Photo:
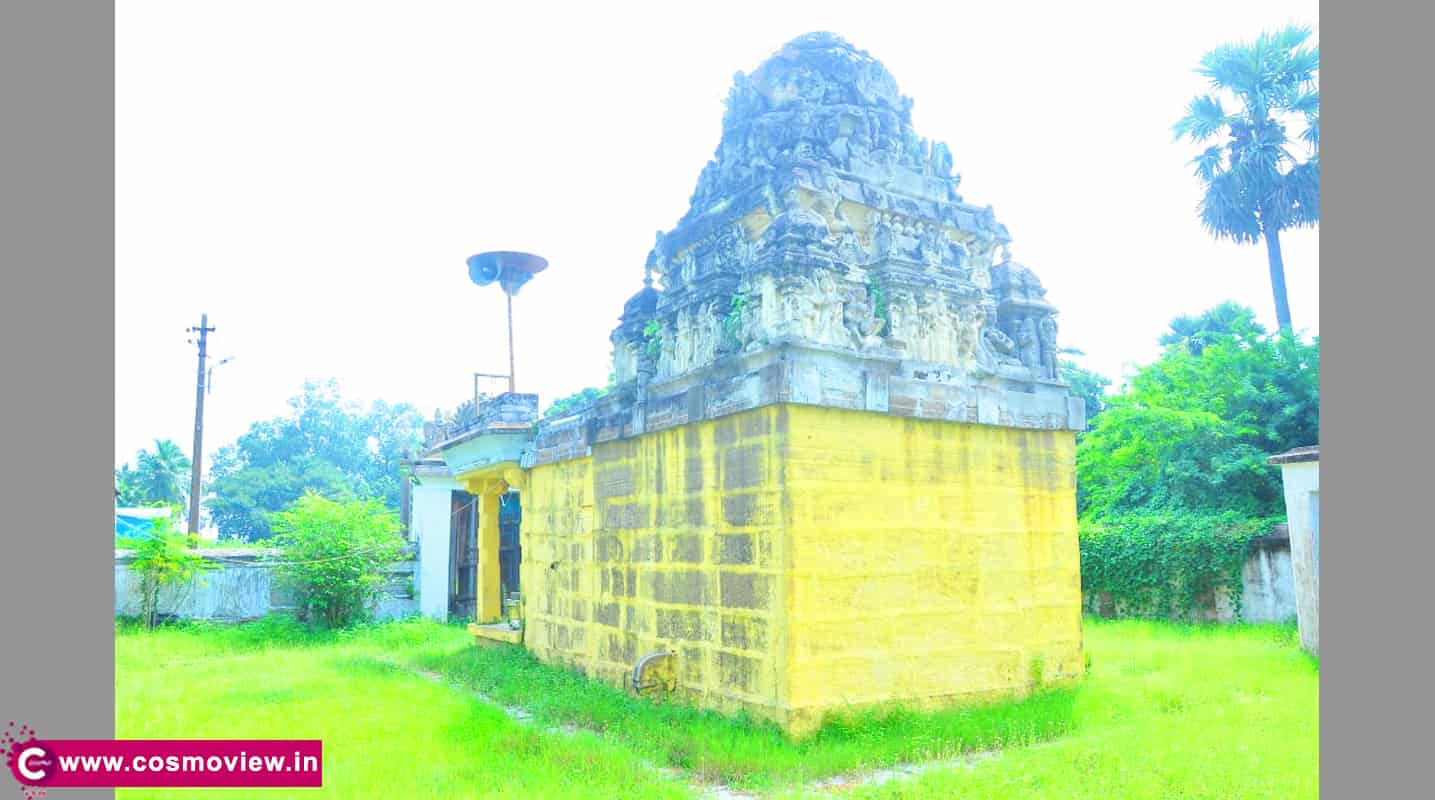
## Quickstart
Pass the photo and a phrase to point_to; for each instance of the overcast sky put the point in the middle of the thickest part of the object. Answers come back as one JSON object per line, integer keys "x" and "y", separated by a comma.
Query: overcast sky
{"x": 313, "y": 175}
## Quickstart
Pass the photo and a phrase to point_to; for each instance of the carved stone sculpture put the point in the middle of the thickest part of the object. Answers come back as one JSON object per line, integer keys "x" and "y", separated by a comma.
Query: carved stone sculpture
{"x": 969, "y": 324}
{"x": 752, "y": 334}
{"x": 941, "y": 331}
{"x": 933, "y": 244}
{"x": 1029, "y": 344}
{"x": 860, "y": 317}
{"x": 1001, "y": 345}
{"x": 1049, "y": 352}
{"x": 980, "y": 275}
{"x": 941, "y": 160}
{"x": 884, "y": 237}
{"x": 799, "y": 308}
{"x": 827, "y": 307}
{"x": 901, "y": 321}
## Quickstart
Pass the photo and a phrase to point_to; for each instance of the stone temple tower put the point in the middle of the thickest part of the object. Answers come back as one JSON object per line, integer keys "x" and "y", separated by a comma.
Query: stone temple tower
{"x": 824, "y": 219}
{"x": 836, "y": 466}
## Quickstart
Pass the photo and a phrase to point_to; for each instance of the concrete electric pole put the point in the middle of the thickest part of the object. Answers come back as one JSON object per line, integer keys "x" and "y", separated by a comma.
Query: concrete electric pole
{"x": 203, "y": 330}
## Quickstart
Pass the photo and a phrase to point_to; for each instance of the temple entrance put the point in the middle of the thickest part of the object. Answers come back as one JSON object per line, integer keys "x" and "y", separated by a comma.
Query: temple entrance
{"x": 467, "y": 551}
{"x": 510, "y": 550}
{"x": 463, "y": 556}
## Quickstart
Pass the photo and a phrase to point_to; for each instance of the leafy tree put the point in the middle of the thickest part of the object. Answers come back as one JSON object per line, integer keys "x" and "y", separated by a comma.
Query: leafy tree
{"x": 1267, "y": 386}
{"x": 1088, "y": 385}
{"x": 1141, "y": 456}
{"x": 1255, "y": 185}
{"x": 243, "y": 501}
{"x": 325, "y": 444}
{"x": 389, "y": 431}
{"x": 1193, "y": 429}
{"x": 1225, "y": 320}
{"x": 336, "y": 555}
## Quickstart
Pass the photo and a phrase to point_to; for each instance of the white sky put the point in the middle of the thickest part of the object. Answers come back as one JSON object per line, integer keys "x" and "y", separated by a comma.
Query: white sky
{"x": 314, "y": 174}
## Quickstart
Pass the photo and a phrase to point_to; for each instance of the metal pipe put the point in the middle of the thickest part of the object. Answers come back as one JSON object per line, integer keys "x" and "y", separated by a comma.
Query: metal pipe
{"x": 511, "y": 390}
{"x": 638, "y": 668}
{"x": 476, "y": 376}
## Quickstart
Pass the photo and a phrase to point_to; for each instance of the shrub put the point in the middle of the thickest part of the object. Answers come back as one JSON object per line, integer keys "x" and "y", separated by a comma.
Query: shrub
{"x": 573, "y": 402}
{"x": 164, "y": 559}
{"x": 653, "y": 336}
{"x": 336, "y": 554}
{"x": 732, "y": 323}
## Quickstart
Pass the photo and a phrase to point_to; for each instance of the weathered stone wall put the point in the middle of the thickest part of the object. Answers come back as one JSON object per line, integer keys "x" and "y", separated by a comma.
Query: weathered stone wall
{"x": 430, "y": 528}
{"x": 1300, "y": 476}
{"x": 801, "y": 559}
{"x": 1267, "y": 585}
{"x": 242, "y": 587}
{"x": 671, "y": 540}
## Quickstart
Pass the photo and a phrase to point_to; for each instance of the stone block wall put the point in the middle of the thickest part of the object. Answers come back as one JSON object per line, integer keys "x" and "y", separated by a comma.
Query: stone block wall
{"x": 668, "y": 541}
{"x": 932, "y": 562}
{"x": 801, "y": 560}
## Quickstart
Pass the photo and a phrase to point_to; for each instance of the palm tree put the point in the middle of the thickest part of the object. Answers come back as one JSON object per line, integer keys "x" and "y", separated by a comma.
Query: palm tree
{"x": 162, "y": 472}
{"x": 127, "y": 489}
{"x": 1255, "y": 186}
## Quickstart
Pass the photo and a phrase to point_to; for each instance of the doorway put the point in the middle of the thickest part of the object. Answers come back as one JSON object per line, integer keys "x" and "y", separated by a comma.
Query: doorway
{"x": 463, "y": 556}
{"x": 510, "y": 548}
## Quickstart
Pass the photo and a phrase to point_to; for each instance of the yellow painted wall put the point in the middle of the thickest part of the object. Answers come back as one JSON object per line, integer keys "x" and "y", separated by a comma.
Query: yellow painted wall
{"x": 802, "y": 559}
{"x": 669, "y": 540}
{"x": 933, "y": 561}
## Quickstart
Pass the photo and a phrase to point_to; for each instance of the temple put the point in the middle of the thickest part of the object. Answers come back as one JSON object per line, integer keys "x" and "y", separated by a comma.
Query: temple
{"x": 835, "y": 468}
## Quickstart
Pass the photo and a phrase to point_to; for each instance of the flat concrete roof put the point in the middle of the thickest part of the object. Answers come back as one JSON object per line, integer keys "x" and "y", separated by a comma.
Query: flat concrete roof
{"x": 1310, "y": 453}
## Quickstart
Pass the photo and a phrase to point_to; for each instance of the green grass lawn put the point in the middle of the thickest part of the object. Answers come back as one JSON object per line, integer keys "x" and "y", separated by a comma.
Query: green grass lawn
{"x": 1167, "y": 711}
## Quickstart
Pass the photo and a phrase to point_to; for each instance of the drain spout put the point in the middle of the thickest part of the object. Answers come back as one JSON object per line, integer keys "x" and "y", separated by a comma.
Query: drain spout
{"x": 641, "y": 668}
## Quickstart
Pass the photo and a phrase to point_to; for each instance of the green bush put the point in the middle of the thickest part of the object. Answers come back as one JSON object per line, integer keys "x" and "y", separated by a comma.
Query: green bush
{"x": 165, "y": 558}
{"x": 567, "y": 405}
{"x": 653, "y": 336}
{"x": 336, "y": 555}
{"x": 732, "y": 323}
{"x": 1159, "y": 564}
